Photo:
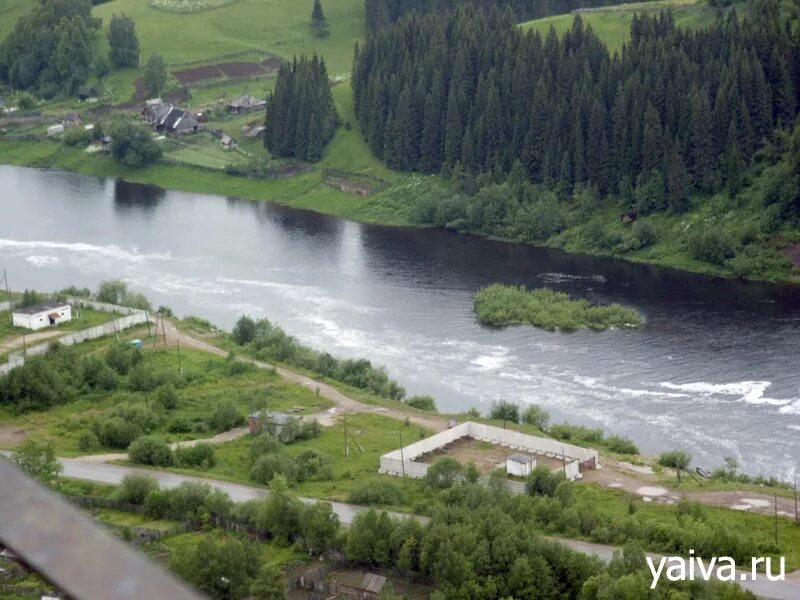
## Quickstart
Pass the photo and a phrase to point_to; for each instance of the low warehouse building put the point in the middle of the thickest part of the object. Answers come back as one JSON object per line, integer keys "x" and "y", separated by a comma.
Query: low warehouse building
{"x": 520, "y": 464}
{"x": 40, "y": 316}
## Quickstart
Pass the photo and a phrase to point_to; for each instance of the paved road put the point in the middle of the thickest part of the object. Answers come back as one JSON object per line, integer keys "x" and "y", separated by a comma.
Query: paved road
{"x": 113, "y": 474}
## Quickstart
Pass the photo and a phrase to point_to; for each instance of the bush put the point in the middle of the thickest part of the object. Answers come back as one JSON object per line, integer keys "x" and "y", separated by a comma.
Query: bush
{"x": 266, "y": 443}
{"x": 132, "y": 144}
{"x": 537, "y": 416}
{"x": 444, "y": 473}
{"x": 621, "y": 445}
{"x": 225, "y": 417}
{"x": 141, "y": 378}
{"x": 269, "y": 465}
{"x": 134, "y": 489}
{"x": 644, "y": 233}
{"x": 167, "y": 397}
{"x": 88, "y": 441}
{"x": 96, "y": 374}
{"x": 711, "y": 244}
{"x": 200, "y": 455}
{"x": 543, "y": 482}
{"x": 122, "y": 357}
{"x": 180, "y": 425}
{"x": 140, "y": 415}
{"x": 385, "y": 493}
{"x": 313, "y": 464}
{"x": 576, "y": 433}
{"x": 115, "y": 432}
{"x": 423, "y": 402}
{"x": 244, "y": 331}
{"x": 76, "y": 136}
{"x": 151, "y": 450}
{"x": 30, "y": 297}
{"x": 504, "y": 411}
{"x": 755, "y": 261}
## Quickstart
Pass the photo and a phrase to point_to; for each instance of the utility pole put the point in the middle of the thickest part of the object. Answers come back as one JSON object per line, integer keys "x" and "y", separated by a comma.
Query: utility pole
{"x": 402, "y": 458}
{"x": 346, "y": 447}
{"x": 776, "y": 519}
{"x": 8, "y": 296}
{"x": 796, "y": 517}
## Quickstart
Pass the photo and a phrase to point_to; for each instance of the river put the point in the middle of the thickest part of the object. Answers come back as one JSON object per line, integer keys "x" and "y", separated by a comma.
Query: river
{"x": 715, "y": 370}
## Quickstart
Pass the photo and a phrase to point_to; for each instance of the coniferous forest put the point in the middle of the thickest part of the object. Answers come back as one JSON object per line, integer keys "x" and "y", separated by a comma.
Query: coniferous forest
{"x": 301, "y": 116}
{"x": 677, "y": 112}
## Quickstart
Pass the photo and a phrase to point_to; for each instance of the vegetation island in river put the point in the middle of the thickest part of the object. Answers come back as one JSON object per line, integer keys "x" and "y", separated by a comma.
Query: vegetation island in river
{"x": 502, "y": 305}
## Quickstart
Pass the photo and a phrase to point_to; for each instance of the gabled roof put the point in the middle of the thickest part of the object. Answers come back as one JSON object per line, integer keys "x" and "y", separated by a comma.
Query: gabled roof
{"x": 373, "y": 583}
{"x": 172, "y": 118}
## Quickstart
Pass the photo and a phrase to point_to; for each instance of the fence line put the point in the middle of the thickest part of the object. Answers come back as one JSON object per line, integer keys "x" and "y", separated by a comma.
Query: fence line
{"x": 402, "y": 461}
{"x": 132, "y": 317}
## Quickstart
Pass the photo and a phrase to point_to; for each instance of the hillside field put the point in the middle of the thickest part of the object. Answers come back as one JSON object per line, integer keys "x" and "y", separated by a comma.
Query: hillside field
{"x": 612, "y": 24}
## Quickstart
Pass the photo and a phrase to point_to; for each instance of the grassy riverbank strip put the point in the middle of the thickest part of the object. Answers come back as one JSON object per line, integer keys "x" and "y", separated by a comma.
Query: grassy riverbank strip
{"x": 503, "y": 305}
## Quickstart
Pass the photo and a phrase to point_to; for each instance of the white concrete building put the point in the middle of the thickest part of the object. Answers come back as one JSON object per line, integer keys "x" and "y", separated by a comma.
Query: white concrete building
{"x": 40, "y": 316}
{"x": 520, "y": 464}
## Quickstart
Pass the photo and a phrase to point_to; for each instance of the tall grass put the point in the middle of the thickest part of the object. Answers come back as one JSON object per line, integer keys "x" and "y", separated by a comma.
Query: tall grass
{"x": 502, "y": 305}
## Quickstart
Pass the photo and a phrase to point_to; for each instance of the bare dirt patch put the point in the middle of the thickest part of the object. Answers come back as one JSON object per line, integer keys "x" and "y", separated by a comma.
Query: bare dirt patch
{"x": 231, "y": 70}
{"x": 196, "y": 74}
{"x": 11, "y": 435}
{"x": 487, "y": 457}
{"x": 241, "y": 69}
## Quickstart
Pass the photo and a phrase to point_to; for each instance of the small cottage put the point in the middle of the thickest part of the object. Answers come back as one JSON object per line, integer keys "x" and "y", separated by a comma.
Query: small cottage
{"x": 87, "y": 94}
{"x": 520, "y": 464}
{"x": 228, "y": 143}
{"x": 368, "y": 588}
{"x": 71, "y": 119}
{"x": 254, "y": 131}
{"x": 40, "y": 316}
{"x": 246, "y": 104}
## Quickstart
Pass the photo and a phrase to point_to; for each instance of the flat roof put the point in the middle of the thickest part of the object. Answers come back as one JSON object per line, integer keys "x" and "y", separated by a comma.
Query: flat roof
{"x": 37, "y": 308}
{"x": 520, "y": 457}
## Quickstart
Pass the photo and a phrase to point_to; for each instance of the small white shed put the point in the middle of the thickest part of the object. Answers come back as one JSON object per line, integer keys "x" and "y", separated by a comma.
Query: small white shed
{"x": 40, "y": 316}
{"x": 520, "y": 464}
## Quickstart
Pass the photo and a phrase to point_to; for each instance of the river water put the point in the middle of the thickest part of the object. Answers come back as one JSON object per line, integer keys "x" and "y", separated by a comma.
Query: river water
{"x": 715, "y": 370}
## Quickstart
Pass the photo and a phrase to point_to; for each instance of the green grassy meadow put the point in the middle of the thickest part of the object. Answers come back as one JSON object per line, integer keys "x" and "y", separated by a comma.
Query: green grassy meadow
{"x": 278, "y": 27}
{"x": 613, "y": 24}
{"x": 205, "y": 383}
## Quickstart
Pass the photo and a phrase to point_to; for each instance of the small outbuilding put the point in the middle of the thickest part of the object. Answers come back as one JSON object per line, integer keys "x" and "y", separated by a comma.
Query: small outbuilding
{"x": 87, "y": 94}
{"x": 228, "y": 142}
{"x": 367, "y": 588}
{"x": 71, "y": 119}
{"x": 40, "y": 316}
{"x": 520, "y": 464}
{"x": 246, "y": 104}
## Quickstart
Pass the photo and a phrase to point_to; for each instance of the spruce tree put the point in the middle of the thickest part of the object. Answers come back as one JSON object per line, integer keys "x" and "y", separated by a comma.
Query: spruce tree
{"x": 318, "y": 24}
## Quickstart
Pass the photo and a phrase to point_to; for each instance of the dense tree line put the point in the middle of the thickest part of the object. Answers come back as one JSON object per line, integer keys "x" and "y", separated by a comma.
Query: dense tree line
{"x": 49, "y": 49}
{"x": 301, "y": 116}
{"x": 380, "y": 13}
{"x": 677, "y": 111}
